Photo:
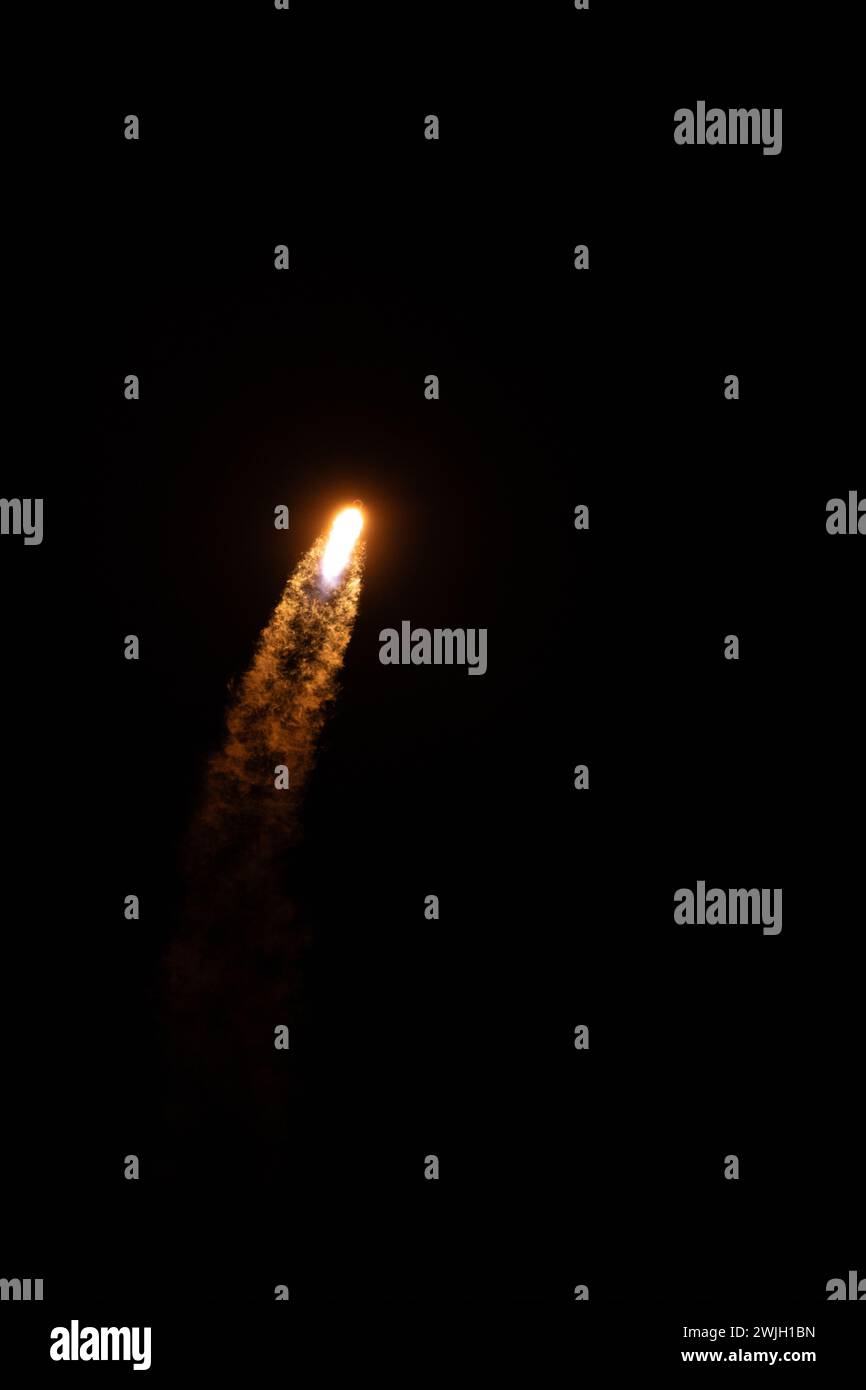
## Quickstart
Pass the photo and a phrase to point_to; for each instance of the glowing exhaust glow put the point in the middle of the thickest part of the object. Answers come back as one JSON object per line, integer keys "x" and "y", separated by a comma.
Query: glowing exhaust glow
{"x": 341, "y": 542}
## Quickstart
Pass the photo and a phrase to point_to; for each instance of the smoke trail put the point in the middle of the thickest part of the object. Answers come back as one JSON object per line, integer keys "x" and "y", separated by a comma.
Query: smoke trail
{"x": 233, "y": 971}
{"x": 275, "y": 719}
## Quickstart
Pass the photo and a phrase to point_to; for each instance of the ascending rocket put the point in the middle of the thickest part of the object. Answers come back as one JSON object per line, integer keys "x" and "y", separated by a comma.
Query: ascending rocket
{"x": 345, "y": 530}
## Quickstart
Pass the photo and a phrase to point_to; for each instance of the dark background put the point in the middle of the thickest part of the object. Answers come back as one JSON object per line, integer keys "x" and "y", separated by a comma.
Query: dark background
{"x": 707, "y": 517}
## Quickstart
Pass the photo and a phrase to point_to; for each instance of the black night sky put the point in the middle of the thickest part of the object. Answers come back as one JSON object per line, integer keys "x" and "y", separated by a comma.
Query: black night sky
{"x": 306, "y": 388}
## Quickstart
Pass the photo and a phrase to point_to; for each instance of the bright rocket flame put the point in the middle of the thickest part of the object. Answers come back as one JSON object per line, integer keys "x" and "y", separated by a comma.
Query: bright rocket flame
{"x": 345, "y": 531}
